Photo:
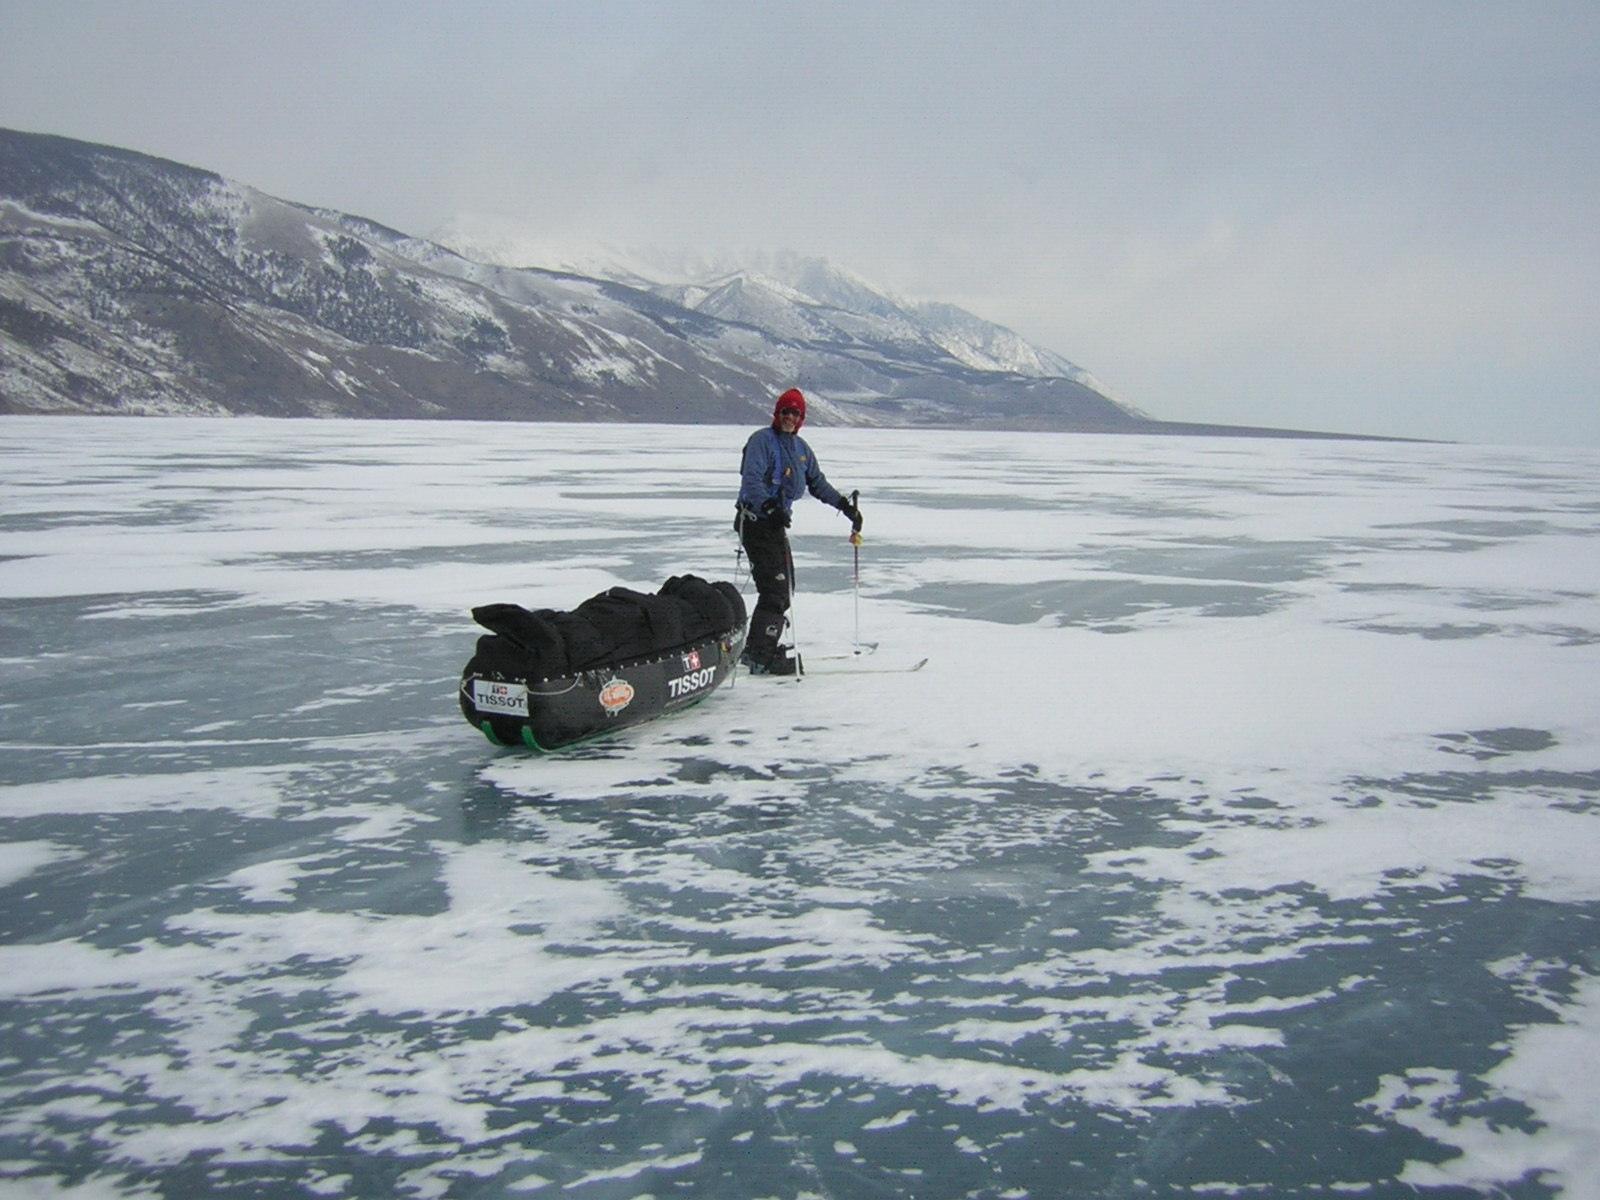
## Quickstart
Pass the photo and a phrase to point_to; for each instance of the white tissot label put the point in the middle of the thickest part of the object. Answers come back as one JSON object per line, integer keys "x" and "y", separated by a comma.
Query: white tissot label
{"x": 508, "y": 699}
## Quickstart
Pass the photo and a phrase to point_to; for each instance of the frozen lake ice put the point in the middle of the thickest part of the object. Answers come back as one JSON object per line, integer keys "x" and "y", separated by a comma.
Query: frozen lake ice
{"x": 1239, "y": 838}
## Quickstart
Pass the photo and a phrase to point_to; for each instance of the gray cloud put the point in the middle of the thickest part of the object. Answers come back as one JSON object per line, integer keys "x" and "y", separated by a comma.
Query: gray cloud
{"x": 1357, "y": 216}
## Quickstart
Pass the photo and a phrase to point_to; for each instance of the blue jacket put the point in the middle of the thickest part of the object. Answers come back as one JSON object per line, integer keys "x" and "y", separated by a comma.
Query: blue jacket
{"x": 780, "y": 466}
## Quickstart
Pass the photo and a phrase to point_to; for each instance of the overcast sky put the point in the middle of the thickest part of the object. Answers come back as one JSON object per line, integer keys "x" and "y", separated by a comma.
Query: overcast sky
{"x": 1374, "y": 217}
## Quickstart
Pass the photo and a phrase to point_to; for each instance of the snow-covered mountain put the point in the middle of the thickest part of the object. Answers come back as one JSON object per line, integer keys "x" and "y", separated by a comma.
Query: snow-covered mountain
{"x": 786, "y": 294}
{"x": 132, "y": 284}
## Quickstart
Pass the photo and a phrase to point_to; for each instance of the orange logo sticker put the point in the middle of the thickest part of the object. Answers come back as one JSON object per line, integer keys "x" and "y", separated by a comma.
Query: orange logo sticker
{"x": 616, "y": 696}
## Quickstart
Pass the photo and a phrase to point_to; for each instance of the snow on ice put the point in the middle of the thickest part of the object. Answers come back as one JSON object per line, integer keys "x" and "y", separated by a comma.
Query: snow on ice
{"x": 1238, "y": 837}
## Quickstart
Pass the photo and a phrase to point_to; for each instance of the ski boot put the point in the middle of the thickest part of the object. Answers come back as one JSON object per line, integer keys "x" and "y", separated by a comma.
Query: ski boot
{"x": 779, "y": 662}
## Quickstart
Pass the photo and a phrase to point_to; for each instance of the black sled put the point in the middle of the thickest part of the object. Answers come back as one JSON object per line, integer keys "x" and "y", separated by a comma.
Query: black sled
{"x": 546, "y": 679}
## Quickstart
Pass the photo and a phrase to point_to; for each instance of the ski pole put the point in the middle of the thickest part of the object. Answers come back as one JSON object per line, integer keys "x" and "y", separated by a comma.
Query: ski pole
{"x": 794, "y": 629}
{"x": 855, "y": 545}
{"x": 738, "y": 548}
{"x": 738, "y": 566}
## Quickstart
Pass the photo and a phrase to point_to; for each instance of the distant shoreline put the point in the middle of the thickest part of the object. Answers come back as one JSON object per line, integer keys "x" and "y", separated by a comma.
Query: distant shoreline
{"x": 1146, "y": 427}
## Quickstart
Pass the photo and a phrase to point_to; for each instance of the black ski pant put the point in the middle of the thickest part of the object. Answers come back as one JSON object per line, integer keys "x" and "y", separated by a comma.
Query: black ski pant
{"x": 772, "y": 567}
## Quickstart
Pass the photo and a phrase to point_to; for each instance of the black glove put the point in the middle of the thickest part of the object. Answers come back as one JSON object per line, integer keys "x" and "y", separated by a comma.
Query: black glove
{"x": 852, "y": 511}
{"x": 773, "y": 511}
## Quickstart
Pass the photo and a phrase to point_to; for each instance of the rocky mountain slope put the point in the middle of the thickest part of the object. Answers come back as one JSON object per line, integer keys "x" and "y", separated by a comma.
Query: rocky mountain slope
{"x": 785, "y": 294}
{"x": 129, "y": 284}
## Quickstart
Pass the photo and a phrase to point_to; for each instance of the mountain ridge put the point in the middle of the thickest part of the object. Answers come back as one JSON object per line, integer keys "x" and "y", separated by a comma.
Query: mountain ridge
{"x": 801, "y": 280}
{"x": 131, "y": 284}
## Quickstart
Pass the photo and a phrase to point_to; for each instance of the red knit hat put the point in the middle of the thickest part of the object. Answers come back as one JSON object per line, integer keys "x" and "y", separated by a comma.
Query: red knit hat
{"x": 792, "y": 401}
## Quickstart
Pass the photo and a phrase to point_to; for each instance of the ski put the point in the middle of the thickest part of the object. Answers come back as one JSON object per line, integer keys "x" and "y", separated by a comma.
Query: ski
{"x": 830, "y": 668}
{"x": 845, "y": 655}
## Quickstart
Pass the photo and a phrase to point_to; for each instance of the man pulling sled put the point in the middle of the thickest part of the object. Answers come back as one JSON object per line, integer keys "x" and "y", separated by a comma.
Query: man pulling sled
{"x": 778, "y": 468}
